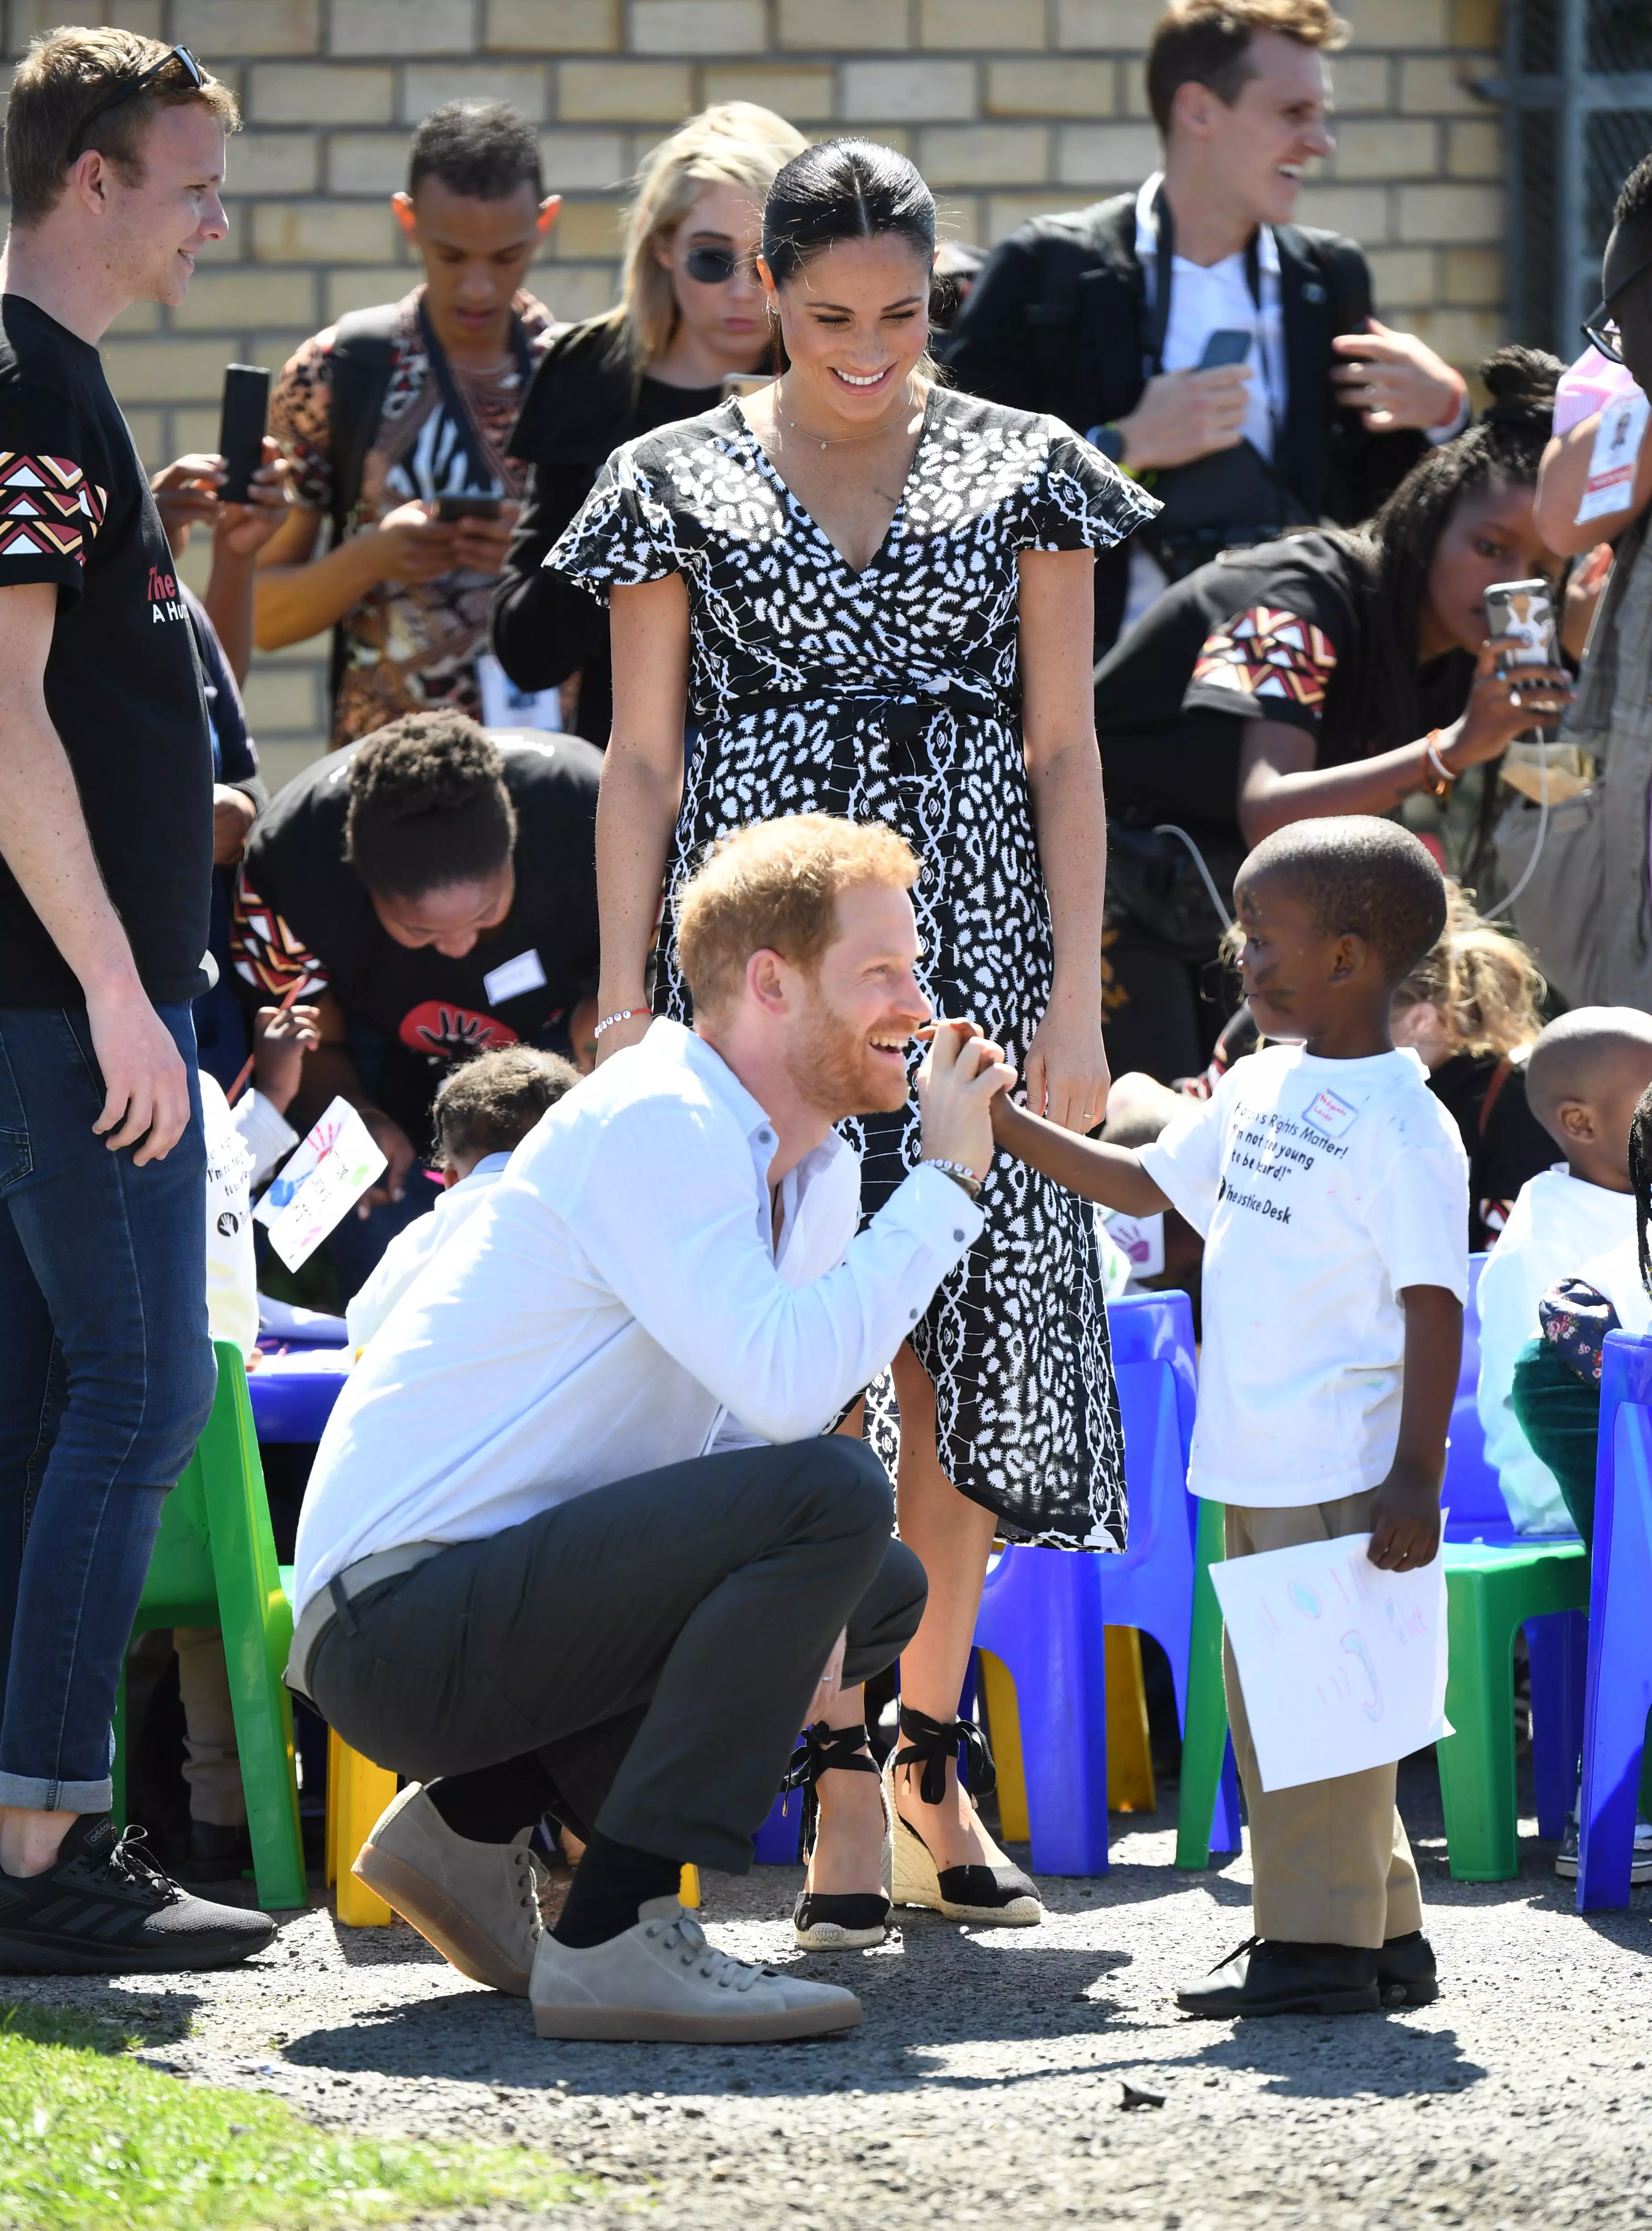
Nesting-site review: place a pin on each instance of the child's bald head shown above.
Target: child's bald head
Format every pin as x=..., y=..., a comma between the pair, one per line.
x=1586, y=1073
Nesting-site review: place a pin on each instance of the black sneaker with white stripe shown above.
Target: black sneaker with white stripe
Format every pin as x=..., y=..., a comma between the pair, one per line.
x=104, y=1908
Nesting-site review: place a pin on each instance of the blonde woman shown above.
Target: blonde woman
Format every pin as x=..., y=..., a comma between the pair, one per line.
x=691, y=311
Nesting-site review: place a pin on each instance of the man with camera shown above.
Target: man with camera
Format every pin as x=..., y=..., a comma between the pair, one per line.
x=1224, y=355
x=114, y=158
x=396, y=420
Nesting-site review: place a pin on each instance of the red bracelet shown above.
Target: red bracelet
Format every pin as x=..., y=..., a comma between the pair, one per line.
x=619, y=1015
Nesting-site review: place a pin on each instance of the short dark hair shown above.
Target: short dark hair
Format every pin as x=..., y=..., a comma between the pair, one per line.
x=1633, y=207
x=1354, y=872
x=486, y=149
x=428, y=805
x=1569, y=1056
x=1208, y=42
x=489, y=1105
x=844, y=189
x=61, y=83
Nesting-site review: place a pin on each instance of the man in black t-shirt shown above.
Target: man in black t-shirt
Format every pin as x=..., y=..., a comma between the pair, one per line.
x=114, y=156
x=434, y=891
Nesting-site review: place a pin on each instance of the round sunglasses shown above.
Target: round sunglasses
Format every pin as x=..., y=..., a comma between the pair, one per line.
x=715, y=267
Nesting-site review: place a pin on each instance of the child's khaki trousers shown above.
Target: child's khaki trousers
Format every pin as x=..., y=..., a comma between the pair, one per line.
x=1329, y=1861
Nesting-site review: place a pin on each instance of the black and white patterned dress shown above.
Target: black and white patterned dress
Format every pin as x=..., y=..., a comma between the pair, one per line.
x=892, y=695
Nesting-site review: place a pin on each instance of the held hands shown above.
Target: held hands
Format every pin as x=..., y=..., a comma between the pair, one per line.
x=1504, y=701
x=1183, y=415
x=1067, y=1069
x=1406, y=1519
x=958, y=1080
x=1395, y=379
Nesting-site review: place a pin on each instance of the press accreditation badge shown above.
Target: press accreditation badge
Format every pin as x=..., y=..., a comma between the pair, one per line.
x=1329, y=1115
x=505, y=706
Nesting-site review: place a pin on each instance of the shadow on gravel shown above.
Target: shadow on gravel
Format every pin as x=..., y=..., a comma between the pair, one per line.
x=1308, y=2057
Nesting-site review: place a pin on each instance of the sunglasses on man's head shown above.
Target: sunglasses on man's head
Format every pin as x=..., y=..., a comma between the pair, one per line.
x=715, y=267
x=179, y=59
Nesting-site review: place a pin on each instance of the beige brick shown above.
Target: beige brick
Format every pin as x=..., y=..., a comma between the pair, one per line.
x=795, y=91
x=1474, y=149
x=1121, y=25
x=320, y=232
x=426, y=86
x=586, y=231
x=1437, y=85
x=977, y=154
x=1387, y=147
x=279, y=759
x=282, y=700
x=908, y=91
x=1476, y=23
x=554, y=26
x=1360, y=210
x=958, y=217
x=1475, y=277
x=624, y=92
x=271, y=162
x=164, y=371
x=594, y=160
x=195, y=560
x=360, y=289
x=402, y=27
x=1105, y=154
x=212, y=28
x=1403, y=24
x=233, y=302
x=698, y=27
x=148, y=438
x=25, y=19
x=981, y=22
x=578, y=290
x=1360, y=82
x=367, y=162
x=1133, y=84
x=1052, y=88
x=1462, y=337
x=843, y=26
x=1005, y=211
x=190, y=432
x=1401, y=277
x=1451, y=213
x=274, y=349
x=137, y=318
x=281, y=93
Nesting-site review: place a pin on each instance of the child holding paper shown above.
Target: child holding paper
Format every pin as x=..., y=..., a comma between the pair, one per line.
x=1332, y=1190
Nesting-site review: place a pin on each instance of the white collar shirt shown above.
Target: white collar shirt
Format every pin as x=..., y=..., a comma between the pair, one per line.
x=618, y=1305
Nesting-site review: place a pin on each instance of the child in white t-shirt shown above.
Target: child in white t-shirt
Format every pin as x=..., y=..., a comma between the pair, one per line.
x=1331, y=1189
x=1586, y=1072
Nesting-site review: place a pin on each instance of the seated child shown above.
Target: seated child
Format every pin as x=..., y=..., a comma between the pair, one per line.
x=1470, y=1008
x=482, y=1113
x=1585, y=1074
x=1332, y=1190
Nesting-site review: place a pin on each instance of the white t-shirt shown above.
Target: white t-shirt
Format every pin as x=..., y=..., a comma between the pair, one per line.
x=1558, y=1225
x=399, y=1265
x=1323, y=1189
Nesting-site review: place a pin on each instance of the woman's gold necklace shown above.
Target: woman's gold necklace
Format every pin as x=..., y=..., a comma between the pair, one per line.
x=836, y=441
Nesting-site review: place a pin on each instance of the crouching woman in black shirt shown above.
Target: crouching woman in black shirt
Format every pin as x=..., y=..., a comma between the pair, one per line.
x=1328, y=672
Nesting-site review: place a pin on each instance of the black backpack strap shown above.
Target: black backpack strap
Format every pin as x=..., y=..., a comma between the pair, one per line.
x=363, y=356
x=1066, y=247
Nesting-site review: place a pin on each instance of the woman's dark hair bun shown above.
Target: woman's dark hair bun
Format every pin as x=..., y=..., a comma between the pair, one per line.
x=429, y=804
x=844, y=189
x=1519, y=379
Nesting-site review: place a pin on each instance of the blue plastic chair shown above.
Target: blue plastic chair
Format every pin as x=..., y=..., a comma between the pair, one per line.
x=293, y=1395
x=1043, y=1611
x=1619, y=1687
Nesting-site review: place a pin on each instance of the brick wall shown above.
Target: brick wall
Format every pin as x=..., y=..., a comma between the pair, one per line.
x=1010, y=108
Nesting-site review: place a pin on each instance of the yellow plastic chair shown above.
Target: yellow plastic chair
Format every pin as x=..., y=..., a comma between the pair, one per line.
x=1131, y=1787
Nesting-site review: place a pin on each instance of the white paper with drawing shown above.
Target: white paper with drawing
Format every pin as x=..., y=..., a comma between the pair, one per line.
x=320, y=1181
x=1343, y=1666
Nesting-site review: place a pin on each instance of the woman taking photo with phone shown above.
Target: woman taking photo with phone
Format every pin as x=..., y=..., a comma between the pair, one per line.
x=691, y=313
x=1330, y=671
x=872, y=597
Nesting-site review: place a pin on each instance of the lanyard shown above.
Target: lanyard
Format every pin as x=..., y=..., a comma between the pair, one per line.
x=479, y=458
x=1158, y=320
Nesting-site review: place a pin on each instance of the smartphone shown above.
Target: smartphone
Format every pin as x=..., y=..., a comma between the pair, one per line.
x=241, y=428
x=1524, y=610
x=452, y=508
x=1225, y=347
x=746, y=383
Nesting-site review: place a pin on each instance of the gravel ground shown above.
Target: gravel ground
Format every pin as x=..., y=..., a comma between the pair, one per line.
x=988, y=2084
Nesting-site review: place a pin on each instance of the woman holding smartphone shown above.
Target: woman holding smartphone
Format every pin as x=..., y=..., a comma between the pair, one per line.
x=690, y=316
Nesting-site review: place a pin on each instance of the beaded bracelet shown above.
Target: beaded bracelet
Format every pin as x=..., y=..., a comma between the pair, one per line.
x=1445, y=782
x=619, y=1015
x=959, y=1173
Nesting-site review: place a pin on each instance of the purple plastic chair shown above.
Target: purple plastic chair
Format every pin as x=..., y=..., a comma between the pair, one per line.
x=1043, y=1611
x=1619, y=1689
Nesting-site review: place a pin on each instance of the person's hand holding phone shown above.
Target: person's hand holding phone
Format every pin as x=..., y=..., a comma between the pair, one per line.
x=243, y=528
x=481, y=545
x=414, y=545
x=1505, y=701
x=1183, y=415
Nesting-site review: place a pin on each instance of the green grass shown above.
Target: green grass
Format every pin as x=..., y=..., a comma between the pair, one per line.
x=91, y=2139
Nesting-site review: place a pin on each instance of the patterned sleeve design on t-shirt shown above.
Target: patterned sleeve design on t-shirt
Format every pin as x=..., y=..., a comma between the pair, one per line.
x=269, y=954
x=1264, y=653
x=301, y=413
x=47, y=508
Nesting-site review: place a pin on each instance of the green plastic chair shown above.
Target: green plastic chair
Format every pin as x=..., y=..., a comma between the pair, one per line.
x=215, y=1565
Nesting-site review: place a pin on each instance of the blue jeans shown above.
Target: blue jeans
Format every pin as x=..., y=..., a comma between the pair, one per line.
x=107, y=1379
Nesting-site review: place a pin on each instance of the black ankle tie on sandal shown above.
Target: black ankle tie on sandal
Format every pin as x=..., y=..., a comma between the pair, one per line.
x=821, y=1751
x=932, y=1742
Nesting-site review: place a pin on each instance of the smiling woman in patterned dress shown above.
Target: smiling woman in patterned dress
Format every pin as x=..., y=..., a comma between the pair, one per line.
x=871, y=597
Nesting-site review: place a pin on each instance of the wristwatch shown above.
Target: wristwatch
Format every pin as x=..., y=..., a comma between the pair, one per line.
x=1110, y=441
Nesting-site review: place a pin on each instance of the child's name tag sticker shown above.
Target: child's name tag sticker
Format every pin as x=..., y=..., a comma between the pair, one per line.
x=512, y=978
x=322, y=1179
x=1610, y=485
x=1329, y=1113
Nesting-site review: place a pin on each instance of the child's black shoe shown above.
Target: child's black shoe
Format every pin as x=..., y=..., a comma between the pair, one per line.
x=1405, y=1971
x=1270, y=1976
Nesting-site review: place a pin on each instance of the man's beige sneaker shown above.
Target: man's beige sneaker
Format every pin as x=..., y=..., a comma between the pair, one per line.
x=477, y=1903
x=661, y=1982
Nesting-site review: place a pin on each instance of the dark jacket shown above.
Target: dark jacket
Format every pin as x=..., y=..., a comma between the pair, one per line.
x=585, y=401
x=1057, y=319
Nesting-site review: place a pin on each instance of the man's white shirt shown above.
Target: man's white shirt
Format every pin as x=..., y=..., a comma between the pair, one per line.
x=618, y=1305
